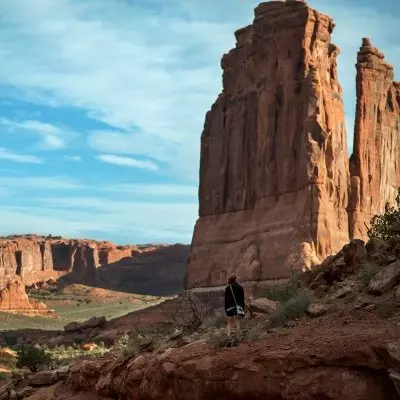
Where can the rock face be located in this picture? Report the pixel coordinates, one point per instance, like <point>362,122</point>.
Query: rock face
<point>274,167</point>
<point>375,163</point>
<point>13,298</point>
<point>276,189</point>
<point>36,258</point>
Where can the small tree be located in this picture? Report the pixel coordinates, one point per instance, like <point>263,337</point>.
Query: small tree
<point>387,225</point>
<point>192,314</point>
<point>33,358</point>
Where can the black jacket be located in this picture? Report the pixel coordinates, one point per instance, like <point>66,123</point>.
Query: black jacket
<point>239,296</point>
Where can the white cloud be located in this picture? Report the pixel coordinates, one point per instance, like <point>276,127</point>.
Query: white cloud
<point>141,221</point>
<point>112,59</point>
<point>18,158</point>
<point>161,190</point>
<point>73,158</point>
<point>127,161</point>
<point>52,137</point>
<point>40,182</point>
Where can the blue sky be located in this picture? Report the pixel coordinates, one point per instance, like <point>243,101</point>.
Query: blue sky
<point>102,104</point>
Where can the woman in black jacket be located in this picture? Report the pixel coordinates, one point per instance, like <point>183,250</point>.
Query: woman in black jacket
<point>234,296</point>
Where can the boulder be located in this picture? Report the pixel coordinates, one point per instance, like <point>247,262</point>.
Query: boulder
<point>44,378</point>
<point>386,279</point>
<point>342,292</point>
<point>92,323</point>
<point>25,392</point>
<point>316,310</point>
<point>88,346</point>
<point>261,306</point>
<point>354,253</point>
<point>6,352</point>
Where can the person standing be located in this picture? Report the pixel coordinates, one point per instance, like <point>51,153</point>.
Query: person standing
<point>234,308</point>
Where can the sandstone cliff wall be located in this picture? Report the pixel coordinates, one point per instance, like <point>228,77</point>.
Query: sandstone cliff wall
<point>375,163</point>
<point>274,168</point>
<point>35,258</point>
<point>277,191</point>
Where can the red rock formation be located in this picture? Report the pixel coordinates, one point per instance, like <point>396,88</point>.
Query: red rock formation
<point>36,258</point>
<point>375,163</point>
<point>13,298</point>
<point>274,167</point>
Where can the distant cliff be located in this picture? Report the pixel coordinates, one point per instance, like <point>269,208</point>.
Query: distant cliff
<point>35,258</point>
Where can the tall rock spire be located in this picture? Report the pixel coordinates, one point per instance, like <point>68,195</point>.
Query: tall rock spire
<point>274,169</point>
<point>375,163</point>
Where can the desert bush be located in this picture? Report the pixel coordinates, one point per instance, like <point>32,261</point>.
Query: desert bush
<point>386,310</point>
<point>254,333</point>
<point>387,225</point>
<point>366,273</point>
<point>214,321</point>
<point>285,292</point>
<point>291,310</point>
<point>132,345</point>
<point>4,376</point>
<point>34,358</point>
<point>10,339</point>
<point>217,339</point>
<point>192,314</point>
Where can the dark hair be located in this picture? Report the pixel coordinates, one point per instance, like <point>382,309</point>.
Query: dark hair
<point>232,279</point>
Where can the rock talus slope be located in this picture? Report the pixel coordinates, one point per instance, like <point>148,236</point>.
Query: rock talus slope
<point>274,169</point>
<point>375,163</point>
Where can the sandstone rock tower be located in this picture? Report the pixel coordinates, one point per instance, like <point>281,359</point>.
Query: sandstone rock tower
<point>274,165</point>
<point>276,189</point>
<point>375,164</point>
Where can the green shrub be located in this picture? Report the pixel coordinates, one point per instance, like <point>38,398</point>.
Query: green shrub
<point>255,333</point>
<point>33,358</point>
<point>387,225</point>
<point>285,292</point>
<point>214,321</point>
<point>4,376</point>
<point>289,311</point>
<point>366,273</point>
<point>386,310</point>
<point>217,339</point>
<point>10,339</point>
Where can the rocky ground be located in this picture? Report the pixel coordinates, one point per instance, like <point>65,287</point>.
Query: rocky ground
<point>328,334</point>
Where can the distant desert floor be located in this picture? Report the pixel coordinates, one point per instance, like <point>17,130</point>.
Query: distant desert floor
<point>78,303</point>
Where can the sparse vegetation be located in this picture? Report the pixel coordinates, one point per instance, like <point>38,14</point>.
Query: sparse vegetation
<point>192,314</point>
<point>386,310</point>
<point>215,321</point>
<point>291,310</point>
<point>4,376</point>
<point>217,339</point>
<point>93,302</point>
<point>366,273</point>
<point>387,225</point>
<point>285,292</point>
<point>34,358</point>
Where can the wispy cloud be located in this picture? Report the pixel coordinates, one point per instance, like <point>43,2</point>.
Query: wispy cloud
<point>128,162</point>
<point>73,158</point>
<point>162,190</point>
<point>110,59</point>
<point>52,137</point>
<point>53,183</point>
<point>18,158</point>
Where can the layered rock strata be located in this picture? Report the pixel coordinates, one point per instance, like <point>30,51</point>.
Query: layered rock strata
<point>35,258</point>
<point>375,163</point>
<point>13,298</point>
<point>277,192</point>
<point>274,166</point>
